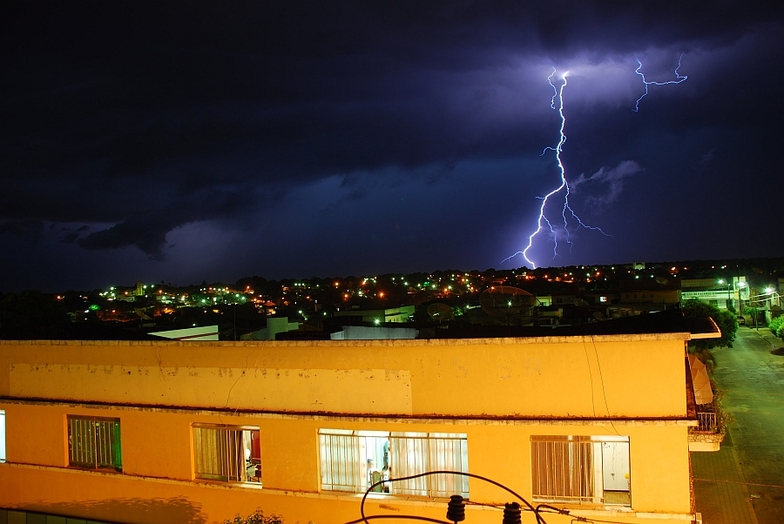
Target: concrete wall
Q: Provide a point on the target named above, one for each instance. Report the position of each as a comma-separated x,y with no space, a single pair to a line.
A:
540,377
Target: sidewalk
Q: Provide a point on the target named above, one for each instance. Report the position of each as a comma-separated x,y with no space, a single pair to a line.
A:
719,492
770,338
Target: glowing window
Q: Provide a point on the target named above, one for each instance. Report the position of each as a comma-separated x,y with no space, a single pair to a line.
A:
354,461
227,453
578,469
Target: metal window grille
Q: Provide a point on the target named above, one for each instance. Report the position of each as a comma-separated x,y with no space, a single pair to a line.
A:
227,453
340,463
344,455
94,442
563,468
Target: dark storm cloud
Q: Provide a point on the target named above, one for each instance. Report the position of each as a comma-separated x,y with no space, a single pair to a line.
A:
140,119
30,230
70,238
147,231
353,83
611,181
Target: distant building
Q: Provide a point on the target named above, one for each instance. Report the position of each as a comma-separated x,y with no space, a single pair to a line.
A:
275,325
193,334
719,293
374,333
380,316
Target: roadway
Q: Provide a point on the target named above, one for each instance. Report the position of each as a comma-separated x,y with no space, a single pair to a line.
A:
752,381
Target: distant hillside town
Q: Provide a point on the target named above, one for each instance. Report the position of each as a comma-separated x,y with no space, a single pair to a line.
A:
255,308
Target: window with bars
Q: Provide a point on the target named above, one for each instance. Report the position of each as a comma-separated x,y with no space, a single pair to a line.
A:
581,469
94,442
354,461
227,453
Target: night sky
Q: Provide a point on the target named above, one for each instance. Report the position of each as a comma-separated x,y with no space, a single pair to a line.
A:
183,142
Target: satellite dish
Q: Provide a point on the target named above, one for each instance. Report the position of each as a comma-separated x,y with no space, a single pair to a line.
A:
661,280
438,311
506,302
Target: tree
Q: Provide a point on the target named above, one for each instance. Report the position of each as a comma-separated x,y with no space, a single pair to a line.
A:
727,322
32,314
257,517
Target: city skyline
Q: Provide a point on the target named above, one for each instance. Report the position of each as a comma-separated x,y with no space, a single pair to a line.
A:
291,140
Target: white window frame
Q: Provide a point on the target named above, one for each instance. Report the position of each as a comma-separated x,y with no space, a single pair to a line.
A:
570,469
94,442
2,436
345,455
224,453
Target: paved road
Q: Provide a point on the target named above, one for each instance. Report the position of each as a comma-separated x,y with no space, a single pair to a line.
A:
753,381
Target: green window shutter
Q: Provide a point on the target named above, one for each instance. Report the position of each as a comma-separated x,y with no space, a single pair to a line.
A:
116,445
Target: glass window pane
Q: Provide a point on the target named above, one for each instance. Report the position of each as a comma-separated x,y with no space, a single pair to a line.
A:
361,460
229,454
570,469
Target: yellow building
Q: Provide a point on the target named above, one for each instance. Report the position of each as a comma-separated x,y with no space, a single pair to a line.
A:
171,431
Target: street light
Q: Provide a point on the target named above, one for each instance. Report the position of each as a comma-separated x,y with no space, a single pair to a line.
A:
765,301
772,292
741,287
729,300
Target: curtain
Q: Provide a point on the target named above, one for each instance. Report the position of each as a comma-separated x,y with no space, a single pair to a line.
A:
209,451
562,469
409,457
340,463
448,454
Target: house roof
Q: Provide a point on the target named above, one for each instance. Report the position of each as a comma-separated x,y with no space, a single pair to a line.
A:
670,321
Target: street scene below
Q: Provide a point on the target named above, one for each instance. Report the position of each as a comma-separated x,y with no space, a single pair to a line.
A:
744,481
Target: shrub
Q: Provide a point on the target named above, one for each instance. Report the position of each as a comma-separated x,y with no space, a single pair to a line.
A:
727,322
257,517
776,326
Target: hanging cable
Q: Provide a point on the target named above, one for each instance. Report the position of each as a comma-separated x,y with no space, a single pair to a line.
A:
364,518
400,517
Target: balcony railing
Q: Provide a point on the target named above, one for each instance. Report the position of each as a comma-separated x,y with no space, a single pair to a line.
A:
708,422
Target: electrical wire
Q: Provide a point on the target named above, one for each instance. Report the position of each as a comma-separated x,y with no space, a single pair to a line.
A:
601,378
590,378
537,511
406,517
364,518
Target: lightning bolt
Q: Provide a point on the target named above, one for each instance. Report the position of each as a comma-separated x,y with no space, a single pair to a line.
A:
678,79
544,223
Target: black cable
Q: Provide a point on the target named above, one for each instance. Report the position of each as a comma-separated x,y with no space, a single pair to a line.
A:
539,507
555,510
411,517
539,518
